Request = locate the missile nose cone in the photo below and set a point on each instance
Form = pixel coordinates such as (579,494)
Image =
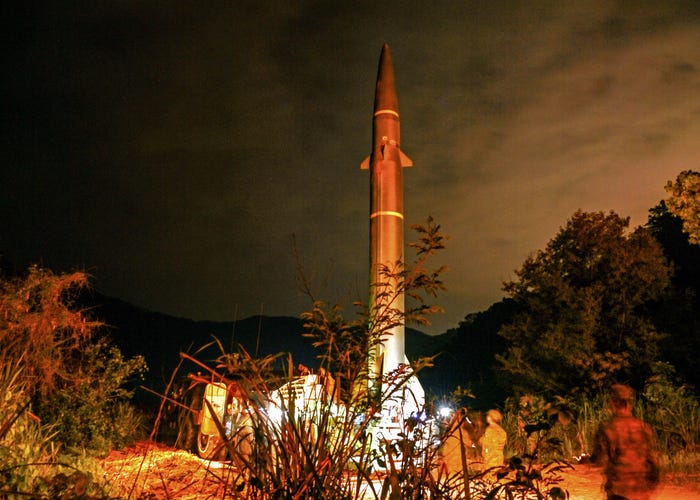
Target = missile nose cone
(385,94)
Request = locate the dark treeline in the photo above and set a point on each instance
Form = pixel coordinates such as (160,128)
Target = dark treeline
(466,357)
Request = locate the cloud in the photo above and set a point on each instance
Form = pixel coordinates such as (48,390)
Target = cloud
(175,151)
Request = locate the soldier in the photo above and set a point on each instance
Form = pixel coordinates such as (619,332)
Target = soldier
(625,448)
(493,440)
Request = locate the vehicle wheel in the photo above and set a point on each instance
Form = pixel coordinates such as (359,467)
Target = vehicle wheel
(187,427)
(210,447)
(187,435)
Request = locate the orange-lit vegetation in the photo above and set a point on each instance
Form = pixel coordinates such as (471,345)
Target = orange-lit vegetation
(62,384)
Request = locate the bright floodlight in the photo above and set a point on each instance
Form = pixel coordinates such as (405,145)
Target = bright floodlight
(445,411)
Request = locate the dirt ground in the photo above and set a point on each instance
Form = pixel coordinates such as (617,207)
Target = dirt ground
(153,471)
(584,483)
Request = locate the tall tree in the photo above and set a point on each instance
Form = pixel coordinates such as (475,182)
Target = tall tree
(684,202)
(583,318)
(679,314)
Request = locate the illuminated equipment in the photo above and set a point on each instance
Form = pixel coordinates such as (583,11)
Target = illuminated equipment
(305,398)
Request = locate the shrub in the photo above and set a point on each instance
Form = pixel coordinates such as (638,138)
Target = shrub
(672,410)
(93,412)
(55,362)
(30,463)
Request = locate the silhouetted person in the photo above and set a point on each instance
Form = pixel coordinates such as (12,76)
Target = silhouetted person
(493,441)
(625,448)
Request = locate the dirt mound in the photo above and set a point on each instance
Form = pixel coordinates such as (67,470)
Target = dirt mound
(149,470)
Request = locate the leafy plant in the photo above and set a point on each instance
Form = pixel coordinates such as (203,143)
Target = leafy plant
(672,410)
(61,389)
(534,471)
(329,444)
(93,411)
(31,464)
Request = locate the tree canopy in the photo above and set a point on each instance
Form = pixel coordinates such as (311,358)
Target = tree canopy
(583,316)
(679,313)
(684,202)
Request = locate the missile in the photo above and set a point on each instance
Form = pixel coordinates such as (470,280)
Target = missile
(386,216)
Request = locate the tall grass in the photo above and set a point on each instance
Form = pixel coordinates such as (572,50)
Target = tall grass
(350,436)
(294,436)
(31,463)
(23,442)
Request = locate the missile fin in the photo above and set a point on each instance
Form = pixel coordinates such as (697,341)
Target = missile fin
(405,160)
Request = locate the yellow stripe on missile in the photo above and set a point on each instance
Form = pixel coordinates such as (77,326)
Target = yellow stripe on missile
(386,112)
(386,212)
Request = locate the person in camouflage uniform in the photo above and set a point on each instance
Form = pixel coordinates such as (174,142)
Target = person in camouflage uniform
(625,448)
(493,440)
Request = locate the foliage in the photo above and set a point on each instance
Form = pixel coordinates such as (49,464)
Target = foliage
(283,446)
(30,463)
(684,202)
(583,302)
(672,410)
(343,344)
(679,313)
(346,345)
(22,440)
(329,443)
(93,412)
(53,362)
(529,419)
(286,447)
(592,411)
(38,326)
(529,478)
(536,455)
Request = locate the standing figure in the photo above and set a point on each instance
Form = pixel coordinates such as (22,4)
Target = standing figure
(625,448)
(493,440)
(457,444)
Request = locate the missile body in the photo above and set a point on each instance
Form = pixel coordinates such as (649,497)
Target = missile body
(385,165)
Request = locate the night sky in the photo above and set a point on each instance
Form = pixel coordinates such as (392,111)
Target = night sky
(173,149)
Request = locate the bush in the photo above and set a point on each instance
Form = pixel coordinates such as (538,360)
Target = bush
(94,413)
(672,410)
(53,361)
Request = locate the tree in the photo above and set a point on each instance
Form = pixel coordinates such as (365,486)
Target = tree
(684,202)
(583,302)
(679,313)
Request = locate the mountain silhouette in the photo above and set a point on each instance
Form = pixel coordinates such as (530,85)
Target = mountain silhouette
(463,356)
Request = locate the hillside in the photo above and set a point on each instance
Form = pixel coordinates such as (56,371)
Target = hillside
(161,339)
